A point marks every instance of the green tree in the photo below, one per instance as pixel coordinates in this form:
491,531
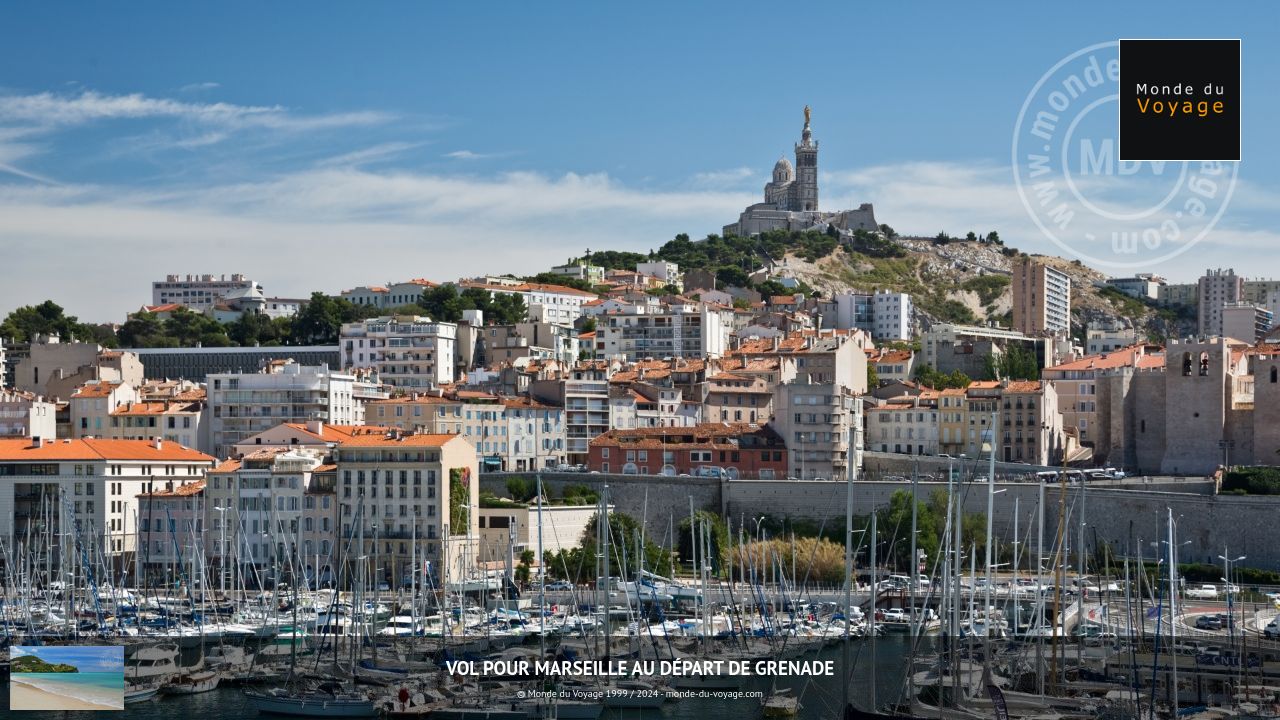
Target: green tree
894,525
873,377
459,500
47,318
189,328
1015,363
320,321
141,330
521,488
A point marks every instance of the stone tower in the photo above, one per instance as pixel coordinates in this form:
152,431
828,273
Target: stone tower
805,188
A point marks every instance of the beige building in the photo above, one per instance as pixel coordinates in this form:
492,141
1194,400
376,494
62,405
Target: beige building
1030,424
738,398
55,369
1215,289
1077,384
816,421
1041,298
506,532
393,486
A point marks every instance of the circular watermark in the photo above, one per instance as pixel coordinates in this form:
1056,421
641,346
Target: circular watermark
1082,196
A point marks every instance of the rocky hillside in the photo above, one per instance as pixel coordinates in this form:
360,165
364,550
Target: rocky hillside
968,282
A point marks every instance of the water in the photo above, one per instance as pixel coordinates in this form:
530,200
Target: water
99,688
820,697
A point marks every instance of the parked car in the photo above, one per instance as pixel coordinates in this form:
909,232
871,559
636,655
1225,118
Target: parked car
559,585
1204,592
1272,630
895,615
1208,622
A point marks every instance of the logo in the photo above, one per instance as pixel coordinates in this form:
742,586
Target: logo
1107,211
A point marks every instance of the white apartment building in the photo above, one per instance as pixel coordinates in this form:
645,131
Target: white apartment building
255,511
1101,338
405,351
245,404
388,296
198,292
667,272
92,482
508,433
584,395
692,330
24,414
891,313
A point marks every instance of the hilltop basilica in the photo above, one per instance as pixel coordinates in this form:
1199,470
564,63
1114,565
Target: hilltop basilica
791,198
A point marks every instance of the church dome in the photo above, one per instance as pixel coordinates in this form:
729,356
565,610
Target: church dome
782,171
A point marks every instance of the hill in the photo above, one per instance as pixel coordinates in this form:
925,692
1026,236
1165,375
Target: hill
959,280
33,664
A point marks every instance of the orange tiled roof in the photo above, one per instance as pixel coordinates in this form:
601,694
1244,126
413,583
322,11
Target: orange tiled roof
183,490
153,408
1023,386
894,356
95,390
397,440
340,433
166,307
1124,357
227,466
98,449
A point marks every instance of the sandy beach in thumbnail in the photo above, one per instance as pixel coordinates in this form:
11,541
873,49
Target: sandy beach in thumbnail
28,697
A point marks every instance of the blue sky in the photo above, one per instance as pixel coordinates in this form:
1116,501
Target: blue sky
324,146
86,659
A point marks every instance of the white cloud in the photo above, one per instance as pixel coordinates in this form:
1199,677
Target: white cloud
469,155
365,156
50,110
733,179
198,87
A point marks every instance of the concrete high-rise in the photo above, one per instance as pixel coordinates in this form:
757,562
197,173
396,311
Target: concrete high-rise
1041,298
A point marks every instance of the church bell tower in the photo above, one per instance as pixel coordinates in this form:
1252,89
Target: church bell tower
806,183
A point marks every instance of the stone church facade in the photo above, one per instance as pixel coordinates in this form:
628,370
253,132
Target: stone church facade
791,198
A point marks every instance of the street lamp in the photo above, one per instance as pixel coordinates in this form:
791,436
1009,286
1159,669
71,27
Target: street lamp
1226,570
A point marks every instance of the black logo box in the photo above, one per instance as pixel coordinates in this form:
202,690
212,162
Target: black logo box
1187,68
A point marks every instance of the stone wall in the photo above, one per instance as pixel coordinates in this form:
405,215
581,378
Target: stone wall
1127,516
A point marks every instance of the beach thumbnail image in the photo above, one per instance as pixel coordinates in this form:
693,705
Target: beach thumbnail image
66,678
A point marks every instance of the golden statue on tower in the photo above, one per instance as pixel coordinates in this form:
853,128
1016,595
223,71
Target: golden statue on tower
806,114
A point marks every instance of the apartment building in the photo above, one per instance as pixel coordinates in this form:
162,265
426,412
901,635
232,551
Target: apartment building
171,535
242,405
198,292
732,450
255,514
494,346
86,490
1076,385
1215,290
55,369
819,356
1041,298
737,398
393,487
405,351
1030,427
24,414
1245,321
907,424
584,394
508,433
391,295
690,330
817,422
